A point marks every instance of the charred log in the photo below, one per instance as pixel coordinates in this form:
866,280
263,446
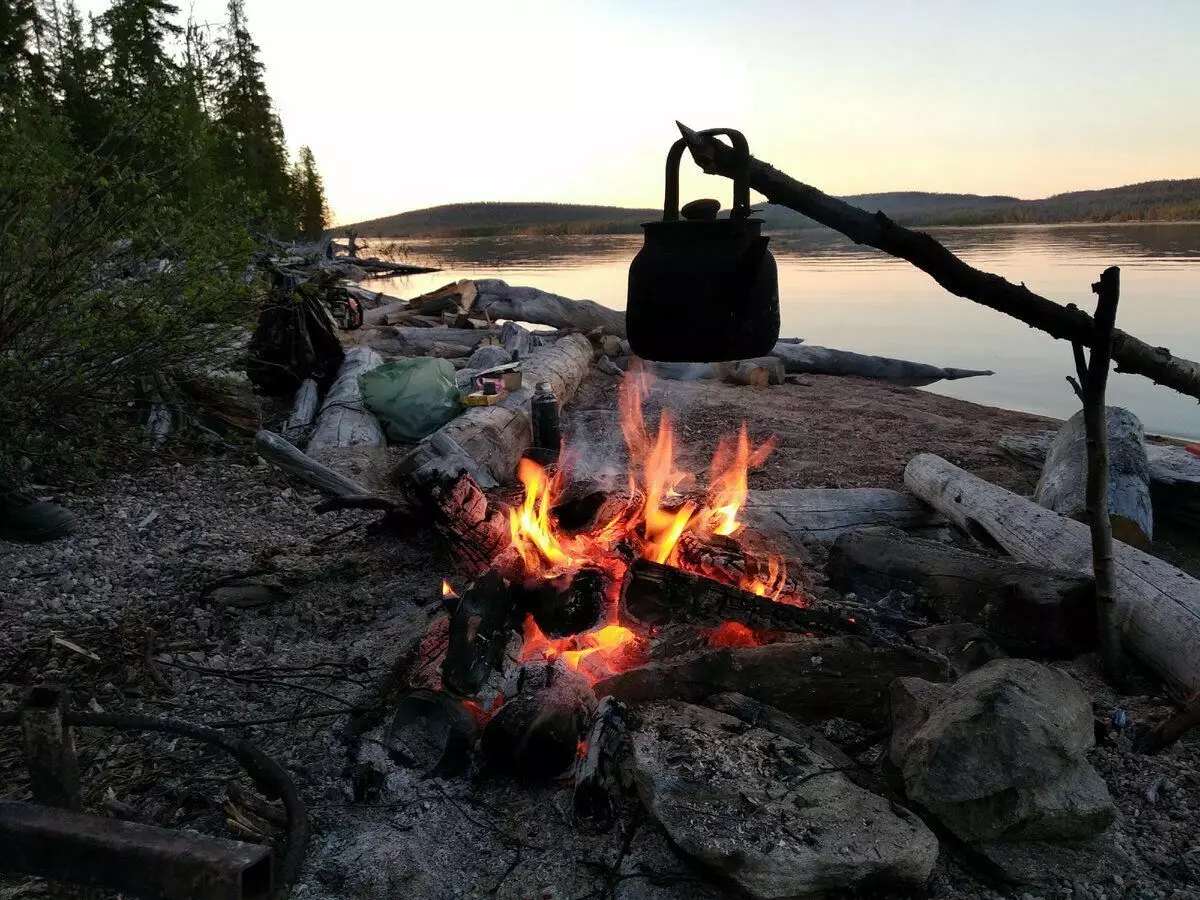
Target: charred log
433,733
536,733
597,774
480,627
569,604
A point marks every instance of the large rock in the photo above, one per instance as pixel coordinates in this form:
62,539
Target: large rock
770,815
1001,753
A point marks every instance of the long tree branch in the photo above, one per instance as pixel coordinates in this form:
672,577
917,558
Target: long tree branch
878,231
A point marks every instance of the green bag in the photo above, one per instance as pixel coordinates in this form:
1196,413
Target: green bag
412,397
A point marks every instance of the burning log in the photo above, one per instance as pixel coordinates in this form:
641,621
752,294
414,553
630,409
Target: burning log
347,436
1157,604
480,629
536,732
821,514
569,604
1174,474
433,732
526,304
598,784
1063,485
487,441
656,594
1028,610
807,359
807,678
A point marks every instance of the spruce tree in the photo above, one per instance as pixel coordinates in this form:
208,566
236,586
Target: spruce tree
80,82
22,72
251,132
139,64
309,191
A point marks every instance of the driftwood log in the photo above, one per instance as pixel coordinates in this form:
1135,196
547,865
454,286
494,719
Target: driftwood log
406,340
821,514
1028,610
923,251
487,441
754,372
1174,473
304,410
806,359
500,300
1063,485
347,436
278,451
810,678
1157,606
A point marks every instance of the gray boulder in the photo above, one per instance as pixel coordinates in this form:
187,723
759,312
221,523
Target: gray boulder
770,815
1001,754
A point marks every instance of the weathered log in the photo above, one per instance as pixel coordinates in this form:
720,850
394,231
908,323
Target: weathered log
535,734
487,441
1156,604
810,678
1167,732
304,410
597,773
821,514
527,304
516,339
1174,474
480,626
807,359
657,594
447,351
413,341
347,436
277,450
745,371
1028,610
1063,485
923,251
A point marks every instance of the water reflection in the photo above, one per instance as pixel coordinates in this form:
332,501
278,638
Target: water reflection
836,293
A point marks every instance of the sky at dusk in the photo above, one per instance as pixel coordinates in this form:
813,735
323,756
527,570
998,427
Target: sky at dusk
414,104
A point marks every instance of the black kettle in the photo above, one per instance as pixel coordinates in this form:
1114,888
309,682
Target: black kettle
703,289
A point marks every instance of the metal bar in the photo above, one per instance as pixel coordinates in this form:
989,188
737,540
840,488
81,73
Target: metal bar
50,749
141,860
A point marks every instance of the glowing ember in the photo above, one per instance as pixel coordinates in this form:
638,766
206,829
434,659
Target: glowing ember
448,591
732,634
606,644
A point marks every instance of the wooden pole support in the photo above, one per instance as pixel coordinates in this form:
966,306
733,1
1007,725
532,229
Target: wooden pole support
50,749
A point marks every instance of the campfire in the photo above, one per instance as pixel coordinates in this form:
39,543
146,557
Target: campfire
571,574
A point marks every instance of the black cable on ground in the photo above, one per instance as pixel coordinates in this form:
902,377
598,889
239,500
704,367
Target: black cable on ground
268,776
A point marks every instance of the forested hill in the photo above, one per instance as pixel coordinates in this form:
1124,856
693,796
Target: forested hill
1150,201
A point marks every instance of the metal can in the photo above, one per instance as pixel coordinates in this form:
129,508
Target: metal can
547,435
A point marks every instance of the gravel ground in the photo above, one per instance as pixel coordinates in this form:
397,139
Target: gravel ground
127,615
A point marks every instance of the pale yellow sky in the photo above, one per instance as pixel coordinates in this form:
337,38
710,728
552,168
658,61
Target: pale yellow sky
414,104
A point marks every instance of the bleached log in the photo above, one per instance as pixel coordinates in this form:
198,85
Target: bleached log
500,300
821,514
304,410
1063,485
1157,606
280,452
755,372
410,341
347,436
1174,474
807,359
487,441
516,339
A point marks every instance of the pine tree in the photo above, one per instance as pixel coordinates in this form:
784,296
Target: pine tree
309,191
80,82
137,32
254,150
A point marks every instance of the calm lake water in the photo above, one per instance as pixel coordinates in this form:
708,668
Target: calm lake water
836,294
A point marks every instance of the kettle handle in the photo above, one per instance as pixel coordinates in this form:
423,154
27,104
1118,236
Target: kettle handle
741,181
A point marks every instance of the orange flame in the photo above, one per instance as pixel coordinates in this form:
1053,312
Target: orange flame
602,646
448,591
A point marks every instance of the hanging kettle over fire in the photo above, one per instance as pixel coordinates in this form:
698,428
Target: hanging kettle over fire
703,289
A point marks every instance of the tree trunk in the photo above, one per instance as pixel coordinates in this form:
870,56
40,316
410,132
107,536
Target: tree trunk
1028,610
806,359
347,436
821,514
1157,606
526,304
1063,485
487,441
1174,473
